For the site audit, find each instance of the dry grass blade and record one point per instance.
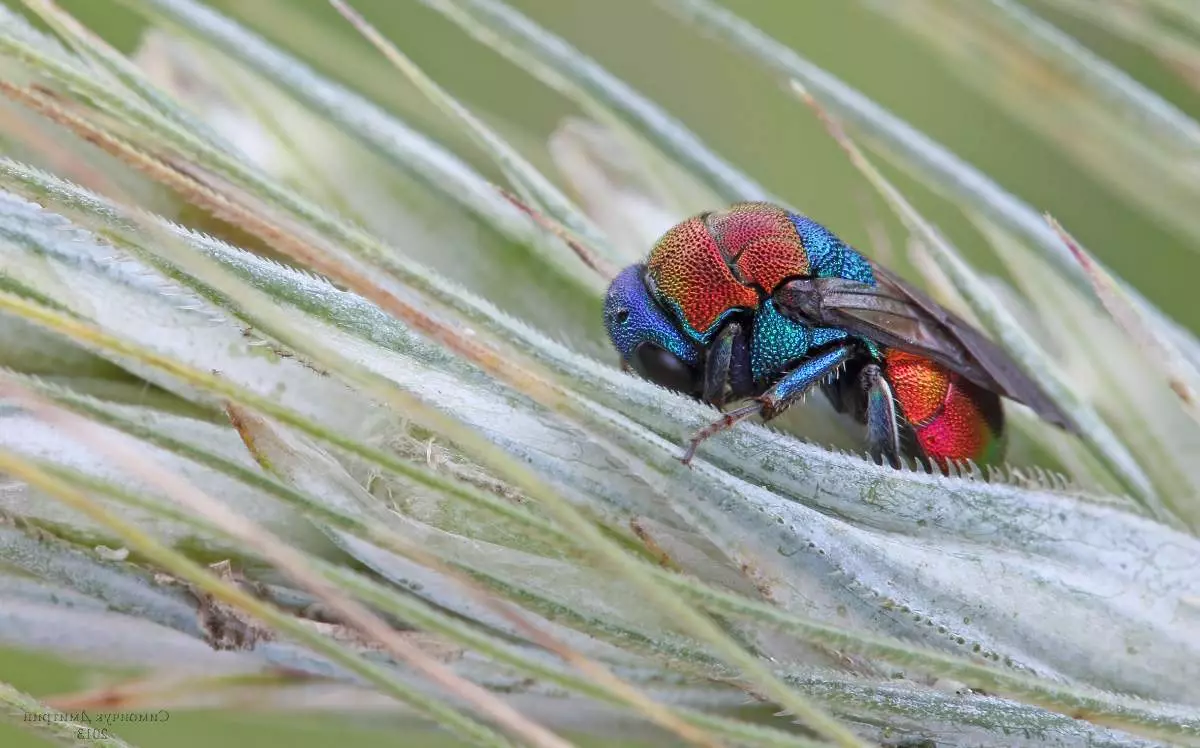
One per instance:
(288, 560)
(250, 426)
(1092, 428)
(310, 251)
(527, 180)
(1181, 376)
(589, 258)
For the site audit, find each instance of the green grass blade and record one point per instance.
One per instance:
(607, 98)
(532, 185)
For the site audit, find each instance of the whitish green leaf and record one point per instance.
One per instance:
(34, 439)
(46, 253)
(1146, 333)
(52, 568)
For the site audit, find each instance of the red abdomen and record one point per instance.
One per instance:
(952, 418)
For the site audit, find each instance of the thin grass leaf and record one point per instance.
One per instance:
(1160, 435)
(1109, 82)
(992, 43)
(385, 135)
(1016, 341)
(614, 185)
(1161, 721)
(24, 711)
(529, 182)
(1138, 23)
(183, 568)
(1183, 378)
(93, 48)
(604, 96)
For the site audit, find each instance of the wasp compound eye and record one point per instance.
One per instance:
(663, 368)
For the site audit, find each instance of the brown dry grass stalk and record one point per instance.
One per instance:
(248, 425)
(291, 562)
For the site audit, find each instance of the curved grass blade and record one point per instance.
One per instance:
(1017, 342)
(1183, 378)
(22, 710)
(382, 133)
(528, 181)
(604, 96)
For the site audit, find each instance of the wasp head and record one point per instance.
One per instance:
(648, 337)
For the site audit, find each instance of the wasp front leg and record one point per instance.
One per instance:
(780, 396)
(718, 365)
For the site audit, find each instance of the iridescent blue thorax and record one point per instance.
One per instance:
(829, 256)
(778, 341)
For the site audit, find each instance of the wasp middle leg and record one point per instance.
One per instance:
(779, 396)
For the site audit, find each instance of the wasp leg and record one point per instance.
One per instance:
(781, 395)
(883, 428)
(716, 367)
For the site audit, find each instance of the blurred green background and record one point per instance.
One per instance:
(744, 115)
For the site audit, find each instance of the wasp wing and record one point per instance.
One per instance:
(894, 314)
